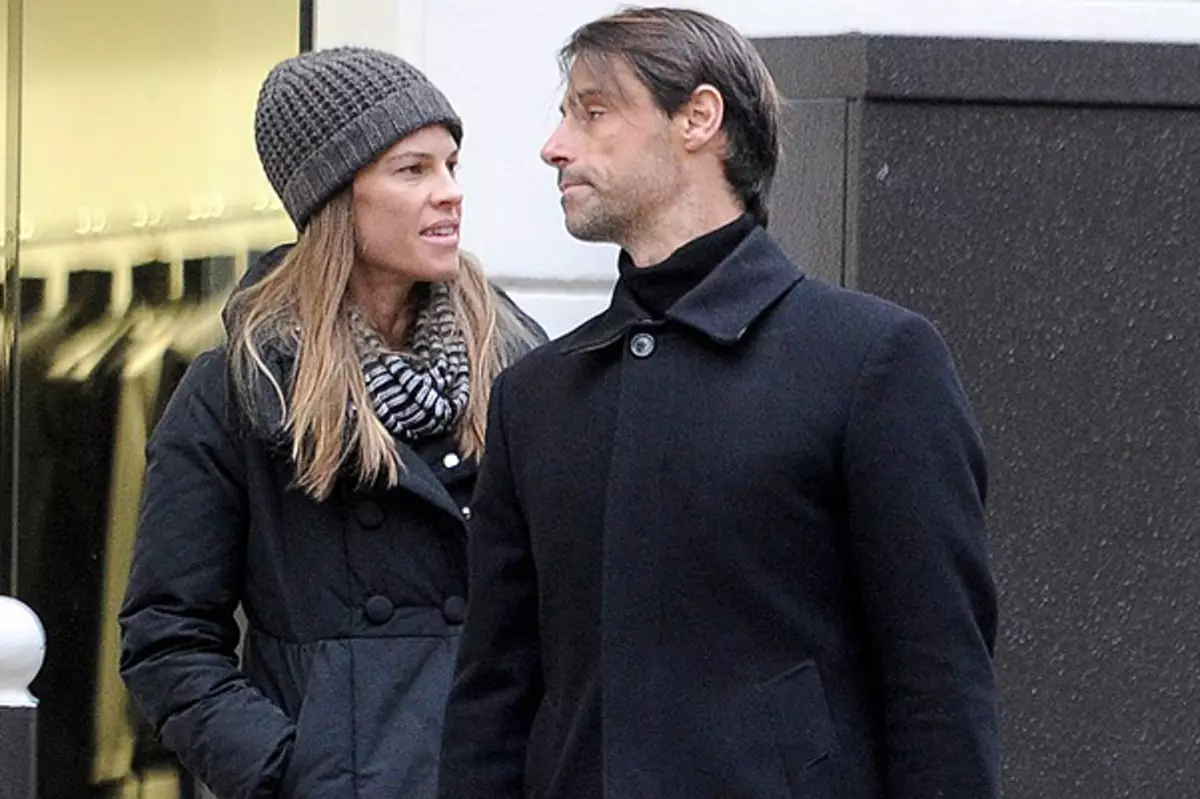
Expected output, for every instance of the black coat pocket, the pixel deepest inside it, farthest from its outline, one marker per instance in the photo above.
(804, 732)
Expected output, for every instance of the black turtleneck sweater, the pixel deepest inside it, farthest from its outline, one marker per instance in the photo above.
(657, 288)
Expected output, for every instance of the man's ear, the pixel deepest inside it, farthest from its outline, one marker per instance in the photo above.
(701, 117)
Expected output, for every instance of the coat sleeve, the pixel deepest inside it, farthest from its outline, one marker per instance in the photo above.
(498, 680)
(178, 632)
(915, 481)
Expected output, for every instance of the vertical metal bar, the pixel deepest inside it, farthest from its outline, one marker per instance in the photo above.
(306, 25)
(10, 171)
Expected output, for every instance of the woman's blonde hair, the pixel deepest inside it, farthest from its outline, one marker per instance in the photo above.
(301, 304)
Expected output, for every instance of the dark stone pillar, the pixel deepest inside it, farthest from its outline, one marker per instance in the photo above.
(1040, 201)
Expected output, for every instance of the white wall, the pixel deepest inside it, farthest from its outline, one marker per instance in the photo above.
(395, 25)
(495, 61)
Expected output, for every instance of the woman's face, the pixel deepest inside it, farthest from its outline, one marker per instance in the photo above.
(407, 206)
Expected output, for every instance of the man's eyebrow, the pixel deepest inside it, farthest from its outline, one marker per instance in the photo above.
(581, 97)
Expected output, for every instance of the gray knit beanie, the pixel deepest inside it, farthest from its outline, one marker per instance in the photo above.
(324, 115)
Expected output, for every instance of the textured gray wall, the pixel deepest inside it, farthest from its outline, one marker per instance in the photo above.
(1055, 251)
(1055, 247)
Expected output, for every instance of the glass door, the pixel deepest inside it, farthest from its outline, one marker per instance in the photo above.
(140, 202)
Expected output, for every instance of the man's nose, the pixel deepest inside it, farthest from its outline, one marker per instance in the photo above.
(554, 151)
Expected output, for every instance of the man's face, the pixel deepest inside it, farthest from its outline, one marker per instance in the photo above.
(613, 150)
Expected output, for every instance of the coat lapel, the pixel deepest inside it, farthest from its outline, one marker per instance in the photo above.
(417, 478)
(723, 306)
(739, 291)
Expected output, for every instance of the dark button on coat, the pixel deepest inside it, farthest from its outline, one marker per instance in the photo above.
(736, 553)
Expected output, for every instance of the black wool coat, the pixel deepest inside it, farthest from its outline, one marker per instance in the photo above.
(738, 552)
(354, 606)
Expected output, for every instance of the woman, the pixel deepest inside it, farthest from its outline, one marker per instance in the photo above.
(316, 469)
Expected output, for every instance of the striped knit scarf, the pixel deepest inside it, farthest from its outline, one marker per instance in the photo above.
(423, 390)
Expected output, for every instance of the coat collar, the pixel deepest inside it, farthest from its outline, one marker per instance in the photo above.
(418, 477)
(722, 307)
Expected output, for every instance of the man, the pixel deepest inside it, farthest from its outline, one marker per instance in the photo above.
(728, 536)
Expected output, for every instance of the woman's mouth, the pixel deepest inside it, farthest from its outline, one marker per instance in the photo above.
(443, 233)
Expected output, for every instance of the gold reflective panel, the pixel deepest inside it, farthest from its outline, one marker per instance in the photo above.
(140, 202)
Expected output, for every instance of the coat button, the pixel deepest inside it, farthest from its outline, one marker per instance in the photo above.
(466, 512)
(451, 460)
(369, 514)
(454, 609)
(379, 609)
(642, 345)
